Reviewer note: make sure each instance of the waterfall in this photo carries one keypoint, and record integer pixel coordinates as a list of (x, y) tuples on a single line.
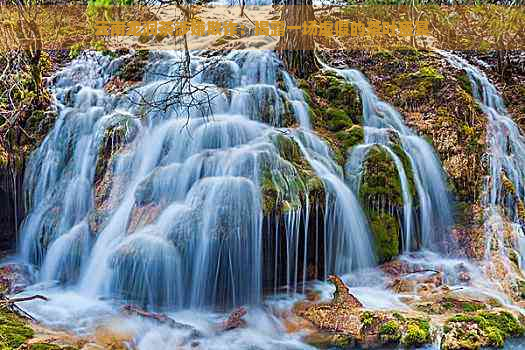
[(505, 149), (347, 234), (181, 222), (381, 120)]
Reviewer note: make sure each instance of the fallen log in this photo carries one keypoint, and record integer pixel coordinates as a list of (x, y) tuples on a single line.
[(7, 301), (160, 318)]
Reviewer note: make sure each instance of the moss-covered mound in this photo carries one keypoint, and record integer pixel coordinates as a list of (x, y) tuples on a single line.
[(336, 111), (381, 194), (288, 179), (484, 329)]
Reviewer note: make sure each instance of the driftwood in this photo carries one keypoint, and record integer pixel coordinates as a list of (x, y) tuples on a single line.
[(160, 318), (234, 320), (10, 303)]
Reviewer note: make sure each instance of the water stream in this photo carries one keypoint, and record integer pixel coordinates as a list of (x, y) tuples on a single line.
[(382, 125), (182, 225), (506, 158)]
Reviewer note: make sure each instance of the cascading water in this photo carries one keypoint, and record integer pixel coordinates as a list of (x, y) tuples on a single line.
[(200, 179), (380, 121), (506, 154), (506, 145), (345, 227)]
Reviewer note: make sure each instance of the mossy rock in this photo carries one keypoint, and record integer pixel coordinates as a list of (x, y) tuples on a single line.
[(464, 82), (350, 137), (121, 130), (416, 333), (417, 87), (287, 179), (385, 229), (468, 331), (13, 331), (380, 177), (381, 181), (390, 332), (326, 340), (337, 119), (335, 93), (133, 69), (46, 346)]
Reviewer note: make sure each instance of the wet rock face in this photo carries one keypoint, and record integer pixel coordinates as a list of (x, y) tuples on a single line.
[(7, 227), (14, 278), (9, 219), (435, 100)]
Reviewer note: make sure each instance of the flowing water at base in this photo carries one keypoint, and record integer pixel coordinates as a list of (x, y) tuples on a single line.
[(265, 324)]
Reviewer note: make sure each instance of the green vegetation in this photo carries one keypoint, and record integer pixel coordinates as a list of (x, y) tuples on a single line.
[(13, 331), (367, 319), (417, 333), (381, 182), (487, 329), (286, 181), (390, 332)]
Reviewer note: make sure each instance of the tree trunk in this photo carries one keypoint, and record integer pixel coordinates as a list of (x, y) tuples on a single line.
[(296, 50)]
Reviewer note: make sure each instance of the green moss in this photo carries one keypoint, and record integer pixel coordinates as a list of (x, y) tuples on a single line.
[(430, 72), (495, 336), (385, 228), (337, 119), (398, 316), (13, 331), (380, 177), (367, 319), (495, 326), (417, 333), (381, 183), (464, 82), (288, 149), (416, 87), (337, 94), (285, 186), (390, 332), (43, 346), (471, 307), (351, 137)]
